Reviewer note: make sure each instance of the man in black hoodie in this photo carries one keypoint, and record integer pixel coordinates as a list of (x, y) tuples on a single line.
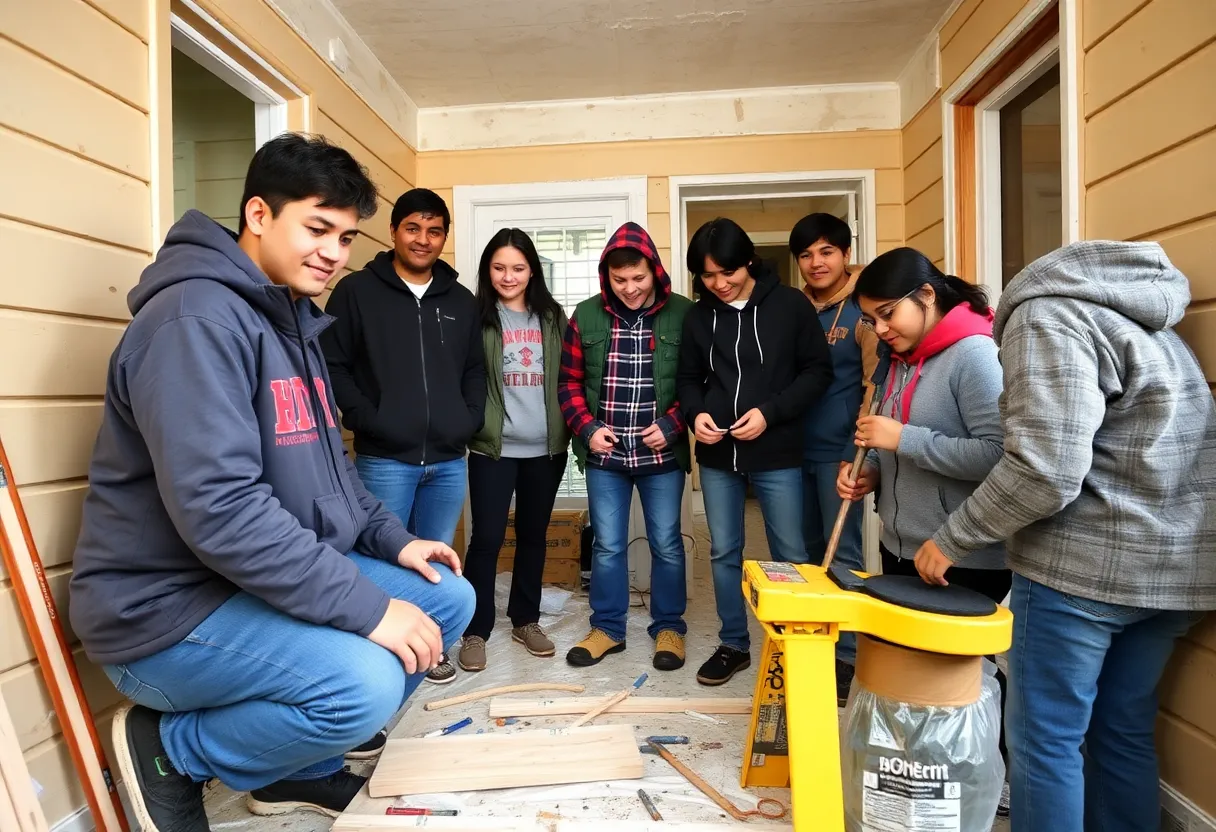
[(233, 576), (409, 373)]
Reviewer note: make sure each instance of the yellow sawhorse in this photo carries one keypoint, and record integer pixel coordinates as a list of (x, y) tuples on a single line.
[(794, 738)]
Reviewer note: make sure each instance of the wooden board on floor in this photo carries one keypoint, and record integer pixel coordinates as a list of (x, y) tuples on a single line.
[(503, 706), (500, 761), (365, 823)]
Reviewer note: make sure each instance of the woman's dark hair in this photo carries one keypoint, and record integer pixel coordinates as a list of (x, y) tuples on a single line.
[(540, 302), (293, 167), (902, 271)]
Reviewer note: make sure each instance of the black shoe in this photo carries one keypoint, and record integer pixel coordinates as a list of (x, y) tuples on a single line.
[(1002, 806), (327, 796), (443, 673), (723, 665), (844, 681), (371, 749), (163, 799)]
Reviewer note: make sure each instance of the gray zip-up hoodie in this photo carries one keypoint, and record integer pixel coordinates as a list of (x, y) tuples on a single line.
[(219, 466), (951, 440), (1107, 487)]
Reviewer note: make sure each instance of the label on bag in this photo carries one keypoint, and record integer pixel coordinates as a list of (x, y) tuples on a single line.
[(903, 796)]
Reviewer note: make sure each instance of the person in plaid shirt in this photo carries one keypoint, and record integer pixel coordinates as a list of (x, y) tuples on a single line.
[(617, 392)]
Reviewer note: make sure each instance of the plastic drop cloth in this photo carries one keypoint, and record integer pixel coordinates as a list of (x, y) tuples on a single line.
[(918, 768)]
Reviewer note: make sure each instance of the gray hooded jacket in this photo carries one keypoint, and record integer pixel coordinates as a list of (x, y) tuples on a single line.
[(1107, 486)]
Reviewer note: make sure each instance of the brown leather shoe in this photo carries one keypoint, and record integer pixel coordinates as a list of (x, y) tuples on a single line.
[(534, 640), (472, 655)]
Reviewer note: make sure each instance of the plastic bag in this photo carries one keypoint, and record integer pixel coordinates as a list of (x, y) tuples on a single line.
[(920, 768)]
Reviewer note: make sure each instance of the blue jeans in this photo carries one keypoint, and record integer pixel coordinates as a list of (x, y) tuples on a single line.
[(254, 696), (609, 494), (780, 495), (820, 505), (1082, 710), (428, 499)]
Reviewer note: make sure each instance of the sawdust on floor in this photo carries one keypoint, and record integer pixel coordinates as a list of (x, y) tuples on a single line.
[(510, 664)]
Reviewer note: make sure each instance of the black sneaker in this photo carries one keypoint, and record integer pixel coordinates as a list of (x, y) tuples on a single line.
[(371, 749), (327, 796), (1002, 806), (723, 665), (844, 681), (163, 799), (443, 673)]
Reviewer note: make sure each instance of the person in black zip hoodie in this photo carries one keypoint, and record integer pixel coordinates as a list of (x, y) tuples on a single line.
[(233, 576), (409, 375), (753, 358)]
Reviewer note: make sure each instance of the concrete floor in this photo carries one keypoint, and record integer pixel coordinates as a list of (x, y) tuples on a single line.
[(509, 663)]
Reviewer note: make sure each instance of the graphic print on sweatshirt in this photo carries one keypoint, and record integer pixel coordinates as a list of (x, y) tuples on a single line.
[(521, 357), (294, 422)]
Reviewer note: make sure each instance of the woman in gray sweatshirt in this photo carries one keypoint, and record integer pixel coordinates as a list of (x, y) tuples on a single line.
[(938, 429)]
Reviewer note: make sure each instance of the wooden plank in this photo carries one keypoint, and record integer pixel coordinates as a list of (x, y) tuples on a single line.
[(56, 272), (17, 797), (19, 650), (131, 14), (889, 187), (499, 761), (925, 210), (366, 823), (60, 356), (362, 250), (1179, 103), (485, 693), (1204, 633), (53, 512), (1186, 688), (955, 22), (966, 227), (924, 172), (44, 626), (388, 181), (1190, 248), (1157, 36), (81, 39), (923, 131), (1168, 190), (1198, 329), (104, 205), (501, 706), (50, 440), (975, 34), (59, 108), (1100, 17), (1187, 758), (931, 242), (860, 149), (890, 222), (33, 710)]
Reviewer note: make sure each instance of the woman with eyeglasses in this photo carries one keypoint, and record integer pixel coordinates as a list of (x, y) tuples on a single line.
[(938, 429)]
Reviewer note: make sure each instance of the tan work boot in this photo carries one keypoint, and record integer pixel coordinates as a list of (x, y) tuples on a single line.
[(668, 650), (592, 649), (472, 656), (534, 640)]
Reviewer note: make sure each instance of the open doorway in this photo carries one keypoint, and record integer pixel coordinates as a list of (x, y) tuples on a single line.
[(222, 112)]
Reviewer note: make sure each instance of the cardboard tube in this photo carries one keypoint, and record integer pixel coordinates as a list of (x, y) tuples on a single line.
[(916, 676)]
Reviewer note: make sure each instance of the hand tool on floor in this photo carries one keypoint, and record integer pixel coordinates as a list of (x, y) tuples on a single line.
[(649, 804), (455, 726), (590, 715), (410, 811), (766, 808)]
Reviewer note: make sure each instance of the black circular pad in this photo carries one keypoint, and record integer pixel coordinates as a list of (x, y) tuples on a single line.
[(915, 594)]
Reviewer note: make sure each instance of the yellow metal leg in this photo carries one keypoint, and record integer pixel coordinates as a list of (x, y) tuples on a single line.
[(766, 761), (814, 731)]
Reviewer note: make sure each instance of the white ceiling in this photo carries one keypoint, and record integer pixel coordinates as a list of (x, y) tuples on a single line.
[(456, 52)]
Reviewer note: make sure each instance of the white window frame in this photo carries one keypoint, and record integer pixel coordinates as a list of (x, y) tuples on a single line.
[(1065, 49), (466, 199), (990, 243), (270, 108), (790, 184)]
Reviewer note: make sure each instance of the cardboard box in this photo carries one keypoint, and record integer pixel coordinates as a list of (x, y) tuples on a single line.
[(563, 573), (563, 548)]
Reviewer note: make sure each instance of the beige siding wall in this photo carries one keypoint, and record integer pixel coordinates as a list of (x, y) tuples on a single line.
[(657, 160), (1150, 174), (76, 185)]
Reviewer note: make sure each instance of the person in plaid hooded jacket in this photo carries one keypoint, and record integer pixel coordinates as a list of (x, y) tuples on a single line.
[(617, 392)]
